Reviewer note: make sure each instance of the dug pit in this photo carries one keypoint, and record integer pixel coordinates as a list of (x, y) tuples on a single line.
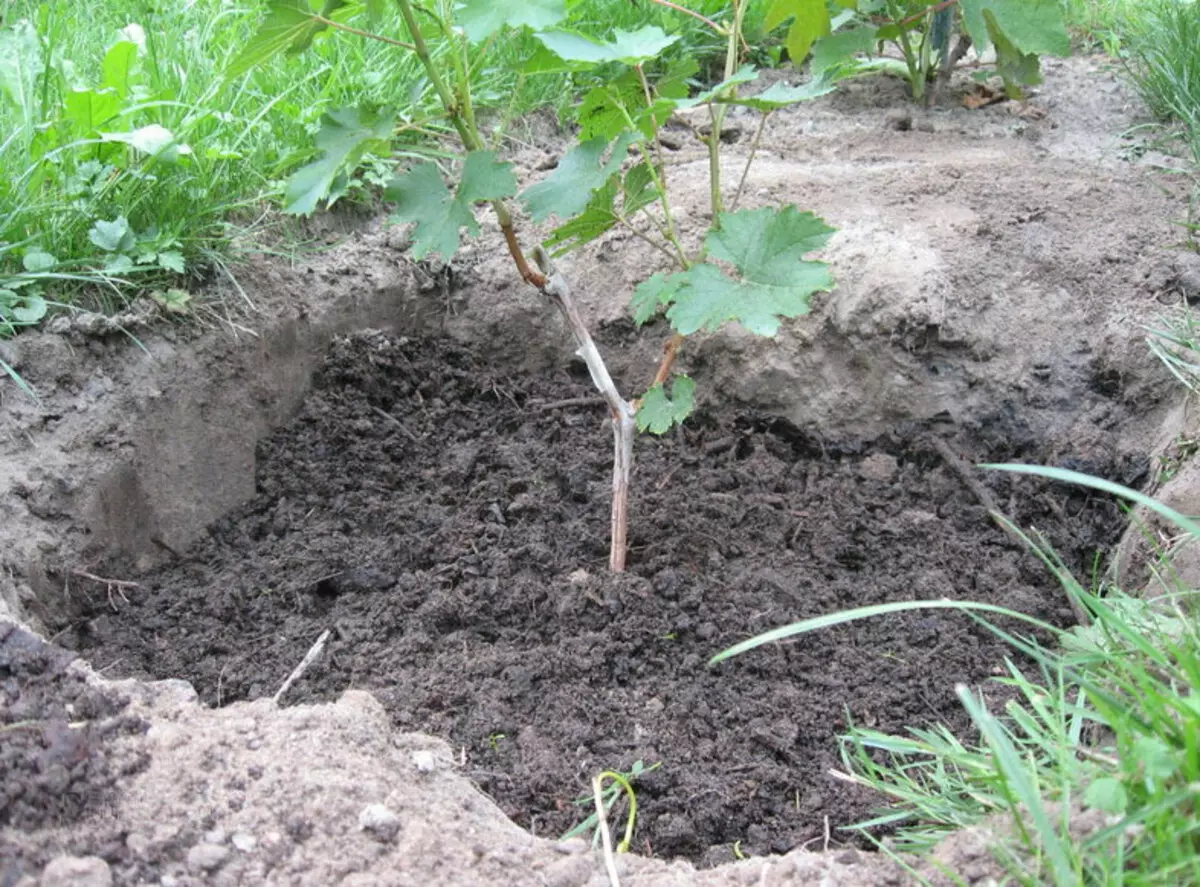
[(448, 524), (427, 478)]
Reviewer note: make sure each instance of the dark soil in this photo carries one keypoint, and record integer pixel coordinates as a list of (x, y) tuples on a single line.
[(54, 727), (449, 524)]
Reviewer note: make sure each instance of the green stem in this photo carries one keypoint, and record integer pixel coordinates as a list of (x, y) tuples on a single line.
[(762, 124), (717, 112), (915, 79), (469, 133)]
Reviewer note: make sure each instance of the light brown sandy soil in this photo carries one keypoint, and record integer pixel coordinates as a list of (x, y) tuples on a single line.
[(1001, 257)]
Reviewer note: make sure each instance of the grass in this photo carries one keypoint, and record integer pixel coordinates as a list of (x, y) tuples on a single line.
[(1163, 43), (1090, 771), (128, 159)]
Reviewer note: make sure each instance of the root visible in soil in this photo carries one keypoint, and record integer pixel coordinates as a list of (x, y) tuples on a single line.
[(451, 531)]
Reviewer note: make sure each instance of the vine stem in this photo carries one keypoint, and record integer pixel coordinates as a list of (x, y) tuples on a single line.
[(338, 26), (737, 196), (470, 139), (621, 410)]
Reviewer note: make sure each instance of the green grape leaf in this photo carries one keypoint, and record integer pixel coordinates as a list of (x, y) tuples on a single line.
[(567, 191), (842, 46), (1017, 68), (481, 19), (597, 218), (628, 47), (638, 188), (345, 135), (658, 413), (765, 247), (288, 28), (780, 95), (744, 74), (810, 20), (422, 197), (606, 111), (1031, 26), (1106, 794), (114, 236), (656, 291)]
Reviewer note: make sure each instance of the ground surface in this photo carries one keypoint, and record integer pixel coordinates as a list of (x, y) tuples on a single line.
[(994, 269), (449, 526)]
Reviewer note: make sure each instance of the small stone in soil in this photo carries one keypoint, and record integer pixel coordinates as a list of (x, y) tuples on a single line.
[(379, 821)]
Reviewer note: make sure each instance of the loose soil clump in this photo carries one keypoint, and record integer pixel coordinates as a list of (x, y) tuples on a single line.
[(448, 522)]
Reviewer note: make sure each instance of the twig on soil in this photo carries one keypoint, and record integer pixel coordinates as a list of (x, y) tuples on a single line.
[(610, 861), (567, 404), (309, 658), (111, 585), (960, 467), (403, 428)]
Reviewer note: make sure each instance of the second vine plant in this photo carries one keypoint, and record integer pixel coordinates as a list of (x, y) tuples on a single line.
[(750, 268)]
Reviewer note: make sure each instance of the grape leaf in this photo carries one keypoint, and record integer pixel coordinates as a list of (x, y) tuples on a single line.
[(1031, 26), (629, 47), (810, 20), (1017, 68), (658, 413), (422, 197), (345, 135), (765, 247), (481, 19), (172, 260), (842, 46), (606, 111), (744, 74), (289, 27), (637, 189), (567, 191), (597, 218), (780, 95)]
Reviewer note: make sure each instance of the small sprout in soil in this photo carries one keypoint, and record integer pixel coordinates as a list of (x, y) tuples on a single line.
[(620, 783)]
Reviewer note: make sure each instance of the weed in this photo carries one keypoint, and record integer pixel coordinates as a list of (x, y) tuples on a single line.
[(1163, 43), (620, 785), (1095, 761)]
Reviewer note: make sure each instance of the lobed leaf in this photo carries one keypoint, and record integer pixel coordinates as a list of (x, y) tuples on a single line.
[(422, 197), (567, 191), (637, 190), (658, 413), (765, 247), (288, 28), (627, 47), (1031, 26), (481, 19), (810, 20), (780, 95), (345, 135)]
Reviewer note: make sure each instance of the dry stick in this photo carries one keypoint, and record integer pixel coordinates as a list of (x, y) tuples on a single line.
[(566, 404), (960, 467), (403, 428), (118, 584), (610, 861), (309, 658), (559, 292)]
